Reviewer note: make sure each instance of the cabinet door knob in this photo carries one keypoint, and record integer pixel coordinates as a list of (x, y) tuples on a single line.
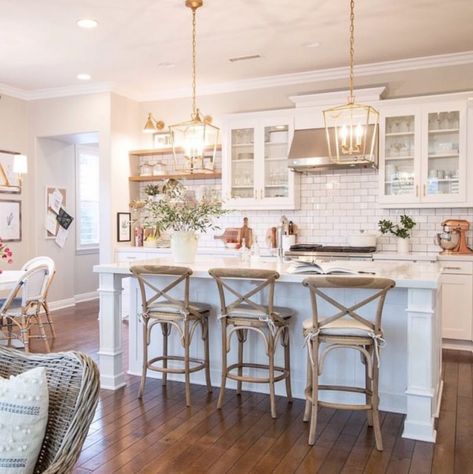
[(417, 190), (423, 190), (451, 268)]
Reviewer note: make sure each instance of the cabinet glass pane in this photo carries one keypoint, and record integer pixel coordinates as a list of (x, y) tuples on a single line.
[(443, 153), (399, 155), (243, 154), (276, 173)]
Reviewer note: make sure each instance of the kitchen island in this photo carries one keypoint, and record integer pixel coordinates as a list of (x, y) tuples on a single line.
[(410, 373)]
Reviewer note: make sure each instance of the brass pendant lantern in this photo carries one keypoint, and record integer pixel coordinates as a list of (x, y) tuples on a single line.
[(352, 129), (197, 138)]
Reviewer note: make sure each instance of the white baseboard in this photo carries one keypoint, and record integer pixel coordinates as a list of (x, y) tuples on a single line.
[(71, 302)]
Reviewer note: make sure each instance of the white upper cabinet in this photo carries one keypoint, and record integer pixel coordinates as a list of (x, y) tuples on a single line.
[(254, 161), (423, 154)]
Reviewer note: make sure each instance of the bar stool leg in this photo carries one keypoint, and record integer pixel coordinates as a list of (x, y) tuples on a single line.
[(314, 348), (165, 331), (241, 340), (224, 363), (271, 375), (186, 362), (144, 369), (205, 329), (368, 386), (287, 363), (375, 404), (308, 388), (49, 318)]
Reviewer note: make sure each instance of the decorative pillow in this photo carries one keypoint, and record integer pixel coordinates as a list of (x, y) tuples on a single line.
[(23, 418)]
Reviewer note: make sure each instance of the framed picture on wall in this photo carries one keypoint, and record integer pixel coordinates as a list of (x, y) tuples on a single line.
[(10, 182), (55, 199), (10, 220), (123, 226), (161, 139)]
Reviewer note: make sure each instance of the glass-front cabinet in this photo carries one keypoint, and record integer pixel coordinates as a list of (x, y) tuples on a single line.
[(423, 154), (254, 162)]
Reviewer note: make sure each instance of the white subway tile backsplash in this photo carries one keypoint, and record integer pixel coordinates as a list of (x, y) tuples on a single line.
[(335, 205)]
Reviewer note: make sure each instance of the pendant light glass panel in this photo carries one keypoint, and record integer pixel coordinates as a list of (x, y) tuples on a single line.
[(352, 133)]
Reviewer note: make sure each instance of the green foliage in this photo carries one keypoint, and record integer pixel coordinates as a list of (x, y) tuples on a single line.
[(176, 211), (402, 230)]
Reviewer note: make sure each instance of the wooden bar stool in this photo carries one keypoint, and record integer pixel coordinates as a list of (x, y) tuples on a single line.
[(345, 329), (242, 315), (160, 308)]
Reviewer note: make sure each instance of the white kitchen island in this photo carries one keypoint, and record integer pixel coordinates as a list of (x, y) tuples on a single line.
[(410, 372)]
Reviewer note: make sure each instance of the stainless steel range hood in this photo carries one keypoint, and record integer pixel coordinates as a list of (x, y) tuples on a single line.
[(309, 152)]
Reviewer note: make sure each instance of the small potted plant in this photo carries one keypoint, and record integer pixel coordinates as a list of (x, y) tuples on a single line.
[(402, 231), (152, 190)]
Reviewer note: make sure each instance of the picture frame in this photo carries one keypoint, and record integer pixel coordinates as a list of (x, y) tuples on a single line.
[(161, 139), (52, 207), (123, 226), (10, 182), (10, 220)]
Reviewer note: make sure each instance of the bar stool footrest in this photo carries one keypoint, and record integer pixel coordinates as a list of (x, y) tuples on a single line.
[(246, 378), (175, 370)]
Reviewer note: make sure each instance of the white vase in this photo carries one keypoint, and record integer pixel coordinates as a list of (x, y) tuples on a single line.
[(184, 246), (403, 245)]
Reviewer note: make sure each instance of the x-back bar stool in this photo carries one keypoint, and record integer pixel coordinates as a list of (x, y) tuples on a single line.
[(161, 308), (242, 315), (345, 329)]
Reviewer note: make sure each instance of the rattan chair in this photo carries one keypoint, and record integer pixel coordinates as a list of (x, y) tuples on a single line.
[(345, 329), (161, 308), (73, 384), (20, 310), (242, 315), (43, 260)]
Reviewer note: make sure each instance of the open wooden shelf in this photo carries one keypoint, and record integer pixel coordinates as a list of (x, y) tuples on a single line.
[(162, 151), (194, 176)]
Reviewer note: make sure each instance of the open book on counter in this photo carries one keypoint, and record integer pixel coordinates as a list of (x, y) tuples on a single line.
[(324, 268)]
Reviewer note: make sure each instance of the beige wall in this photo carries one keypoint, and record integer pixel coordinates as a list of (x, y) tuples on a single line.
[(14, 137)]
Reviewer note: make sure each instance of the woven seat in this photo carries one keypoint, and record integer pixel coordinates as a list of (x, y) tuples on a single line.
[(73, 385), (167, 311), (344, 329), (242, 315)]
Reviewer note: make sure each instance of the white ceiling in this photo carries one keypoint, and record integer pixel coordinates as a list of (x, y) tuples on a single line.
[(43, 48)]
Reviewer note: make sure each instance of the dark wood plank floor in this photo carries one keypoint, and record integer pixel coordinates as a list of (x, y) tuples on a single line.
[(159, 434)]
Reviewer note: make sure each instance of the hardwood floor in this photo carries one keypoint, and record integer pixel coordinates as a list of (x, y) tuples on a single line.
[(159, 434)]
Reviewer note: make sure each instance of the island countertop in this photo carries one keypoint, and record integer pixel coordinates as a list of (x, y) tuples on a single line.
[(406, 274)]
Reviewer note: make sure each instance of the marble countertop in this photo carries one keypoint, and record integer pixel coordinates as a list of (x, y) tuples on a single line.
[(406, 274)]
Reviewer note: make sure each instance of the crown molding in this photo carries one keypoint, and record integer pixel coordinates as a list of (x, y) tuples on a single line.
[(367, 94), (425, 62)]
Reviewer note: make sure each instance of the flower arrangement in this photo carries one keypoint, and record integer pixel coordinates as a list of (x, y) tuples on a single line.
[(5, 252), (179, 211), (402, 230)]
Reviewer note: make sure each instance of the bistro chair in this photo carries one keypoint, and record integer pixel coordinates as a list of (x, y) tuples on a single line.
[(43, 260), (22, 306), (345, 329), (241, 315), (73, 386), (159, 308)]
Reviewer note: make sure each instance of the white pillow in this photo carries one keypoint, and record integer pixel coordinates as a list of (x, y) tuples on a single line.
[(23, 418)]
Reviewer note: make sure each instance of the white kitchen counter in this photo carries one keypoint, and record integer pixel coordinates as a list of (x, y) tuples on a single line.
[(410, 375)]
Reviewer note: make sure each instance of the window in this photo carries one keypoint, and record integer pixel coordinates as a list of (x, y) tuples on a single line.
[(87, 197)]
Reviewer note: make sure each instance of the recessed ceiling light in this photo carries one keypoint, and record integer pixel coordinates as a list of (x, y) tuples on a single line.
[(83, 77), (87, 23), (166, 65), (315, 44)]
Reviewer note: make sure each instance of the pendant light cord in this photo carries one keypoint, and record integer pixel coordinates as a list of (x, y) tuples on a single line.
[(351, 98), (194, 47)]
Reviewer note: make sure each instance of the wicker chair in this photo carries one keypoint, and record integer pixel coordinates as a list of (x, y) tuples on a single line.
[(73, 383)]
